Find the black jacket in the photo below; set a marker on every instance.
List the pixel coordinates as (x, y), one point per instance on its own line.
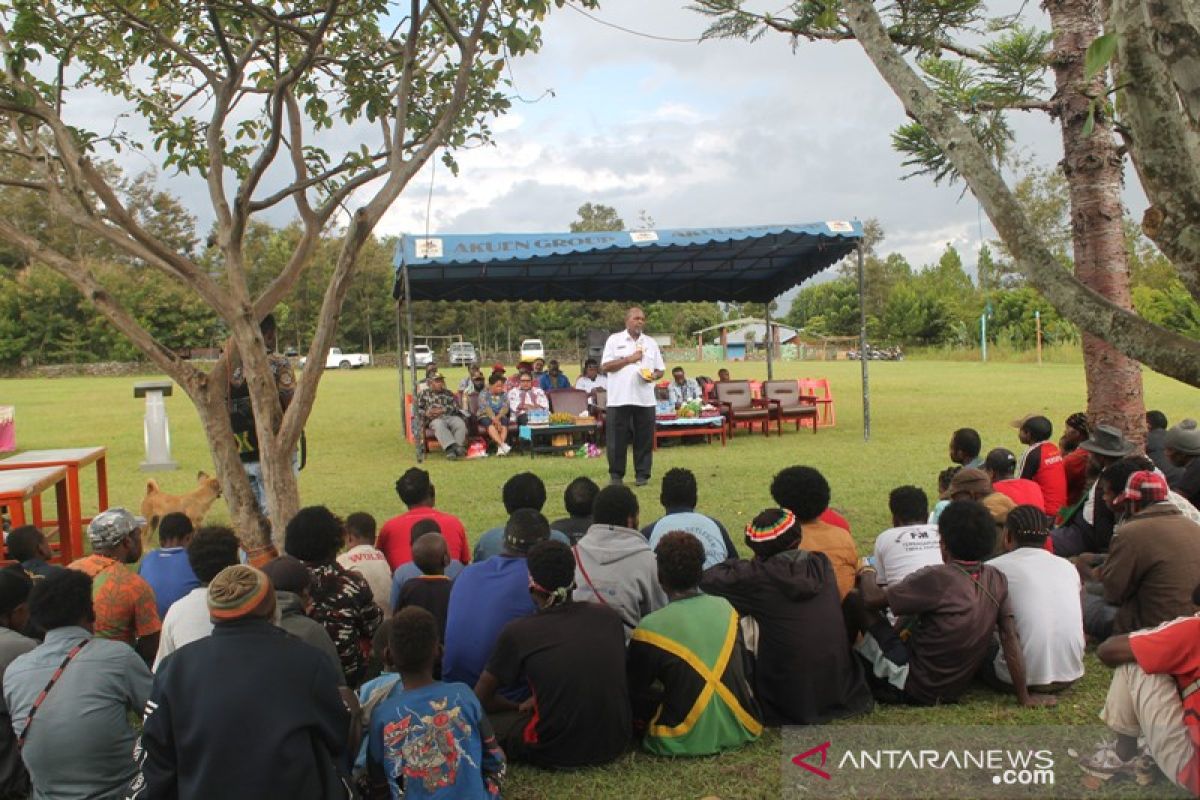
(249, 712)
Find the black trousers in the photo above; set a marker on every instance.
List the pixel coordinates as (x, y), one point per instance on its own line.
(624, 424)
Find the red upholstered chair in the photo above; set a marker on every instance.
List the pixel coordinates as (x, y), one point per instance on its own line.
(792, 404)
(739, 406)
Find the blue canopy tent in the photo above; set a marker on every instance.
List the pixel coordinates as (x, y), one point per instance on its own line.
(737, 264)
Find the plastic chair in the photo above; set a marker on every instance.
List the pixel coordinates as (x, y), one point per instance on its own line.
(820, 388)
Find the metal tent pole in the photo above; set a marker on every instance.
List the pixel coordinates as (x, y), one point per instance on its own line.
(409, 320)
(770, 345)
(400, 369)
(862, 345)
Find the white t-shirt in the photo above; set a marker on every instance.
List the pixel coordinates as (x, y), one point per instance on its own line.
(588, 384)
(1044, 592)
(372, 565)
(902, 551)
(626, 387)
(186, 621)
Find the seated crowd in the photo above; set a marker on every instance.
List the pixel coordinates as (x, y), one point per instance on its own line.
(406, 664)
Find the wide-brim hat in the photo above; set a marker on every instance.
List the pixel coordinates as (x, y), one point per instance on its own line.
(1184, 438)
(968, 479)
(1107, 441)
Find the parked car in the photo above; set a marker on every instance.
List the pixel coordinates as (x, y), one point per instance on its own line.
(419, 356)
(531, 349)
(336, 359)
(462, 353)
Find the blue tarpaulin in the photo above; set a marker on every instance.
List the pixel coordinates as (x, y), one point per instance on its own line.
(738, 264)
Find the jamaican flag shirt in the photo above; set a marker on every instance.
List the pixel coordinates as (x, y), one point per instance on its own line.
(693, 649)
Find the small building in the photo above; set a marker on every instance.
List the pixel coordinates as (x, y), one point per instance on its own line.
(742, 337)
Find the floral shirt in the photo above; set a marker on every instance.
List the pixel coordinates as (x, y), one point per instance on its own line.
(122, 600)
(342, 602)
(431, 398)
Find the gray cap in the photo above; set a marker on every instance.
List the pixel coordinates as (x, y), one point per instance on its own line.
(1184, 438)
(111, 527)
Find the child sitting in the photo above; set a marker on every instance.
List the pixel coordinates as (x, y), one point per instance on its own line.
(432, 740)
(431, 589)
(408, 570)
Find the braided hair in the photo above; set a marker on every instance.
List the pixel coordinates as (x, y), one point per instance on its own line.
(1028, 526)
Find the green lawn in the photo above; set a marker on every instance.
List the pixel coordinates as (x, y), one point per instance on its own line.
(356, 453)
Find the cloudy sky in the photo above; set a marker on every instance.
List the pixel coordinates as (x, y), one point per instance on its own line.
(713, 133)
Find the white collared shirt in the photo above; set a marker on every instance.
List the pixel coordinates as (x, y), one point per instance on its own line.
(626, 387)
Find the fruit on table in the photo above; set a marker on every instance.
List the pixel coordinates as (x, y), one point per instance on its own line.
(562, 418)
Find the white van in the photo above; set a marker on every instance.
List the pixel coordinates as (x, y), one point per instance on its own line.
(532, 349)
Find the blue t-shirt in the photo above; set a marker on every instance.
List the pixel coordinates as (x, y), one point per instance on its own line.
(549, 384)
(432, 740)
(169, 574)
(486, 597)
(408, 570)
(702, 527)
(491, 543)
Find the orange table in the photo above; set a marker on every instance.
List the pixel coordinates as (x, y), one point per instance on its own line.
(20, 485)
(73, 459)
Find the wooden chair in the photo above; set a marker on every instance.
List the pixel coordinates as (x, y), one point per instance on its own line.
(820, 388)
(792, 404)
(739, 406)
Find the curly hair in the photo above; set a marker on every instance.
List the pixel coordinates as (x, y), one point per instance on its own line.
(801, 490)
(413, 639)
(968, 530)
(414, 487)
(551, 565)
(678, 489)
(23, 542)
(615, 505)
(908, 504)
(523, 490)
(61, 599)
(680, 561)
(1028, 525)
(361, 525)
(174, 527)
(212, 549)
(579, 496)
(966, 441)
(313, 535)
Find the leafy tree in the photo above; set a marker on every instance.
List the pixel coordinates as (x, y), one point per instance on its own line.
(917, 314)
(597, 217)
(826, 309)
(257, 101)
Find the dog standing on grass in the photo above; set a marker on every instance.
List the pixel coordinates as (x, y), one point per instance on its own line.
(195, 504)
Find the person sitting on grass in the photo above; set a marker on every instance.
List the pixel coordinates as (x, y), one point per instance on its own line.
(341, 599)
(686, 663)
(430, 590)
(578, 498)
(965, 446)
(420, 496)
(1088, 528)
(1151, 567)
(911, 542)
(492, 412)
(361, 556)
(486, 596)
(572, 657)
(1041, 462)
(944, 479)
(408, 570)
(167, 569)
(210, 550)
(974, 484)
(292, 582)
(523, 490)
(276, 726)
(15, 586)
(384, 686)
(679, 498)
(1045, 592)
(1152, 697)
(804, 671)
(1156, 446)
(1076, 430)
(1000, 466)
(123, 601)
(431, 739)
(949, 613)
(615, 565)
(1181, 444)
(805, 492)
(79, 743)
(29, 547)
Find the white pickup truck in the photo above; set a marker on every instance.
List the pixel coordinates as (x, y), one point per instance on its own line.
(336, 359)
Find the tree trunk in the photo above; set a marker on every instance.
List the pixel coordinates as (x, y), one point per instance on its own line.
(1093, 169)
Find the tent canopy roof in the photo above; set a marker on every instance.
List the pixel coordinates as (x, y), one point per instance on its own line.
(743, 264)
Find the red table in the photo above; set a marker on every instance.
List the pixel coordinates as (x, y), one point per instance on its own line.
(20, 485)
(73, 459)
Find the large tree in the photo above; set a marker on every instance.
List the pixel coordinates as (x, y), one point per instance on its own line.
(328, 106)
(1156, 47)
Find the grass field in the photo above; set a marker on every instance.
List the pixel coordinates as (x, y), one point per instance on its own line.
(356, 453)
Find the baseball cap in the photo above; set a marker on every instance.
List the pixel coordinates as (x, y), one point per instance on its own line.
(113, 526)
(497, 367)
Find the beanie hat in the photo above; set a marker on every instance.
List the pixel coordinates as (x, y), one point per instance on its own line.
(770, 525)
(237, 592)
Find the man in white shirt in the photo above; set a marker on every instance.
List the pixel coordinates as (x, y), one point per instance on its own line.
(910, 543)
(632, 362)
(211, 550)
(362, 557)
(1045, 593)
